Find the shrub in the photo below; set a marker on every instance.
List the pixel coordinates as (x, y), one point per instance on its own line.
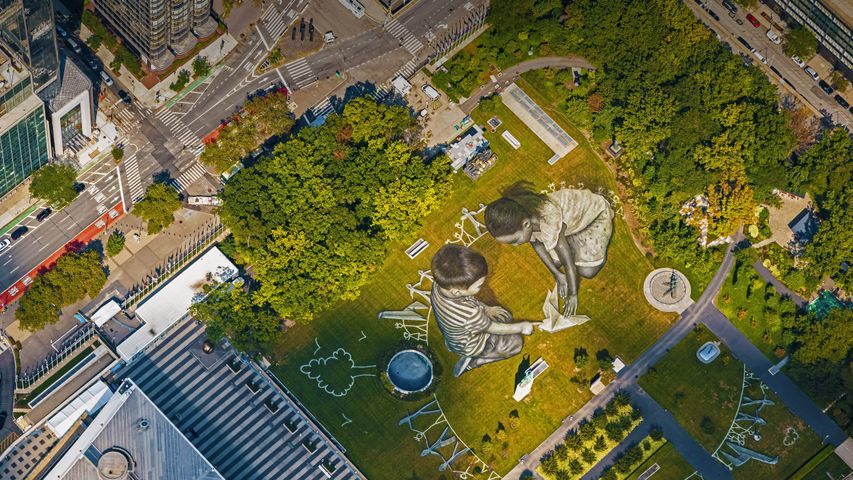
(575, 466)
(180, 82)
(587, 432)
(588, 456)
(707, 425)
(573, 441)
(115, 244)
(600, 443)
(656, 433)
(561, 452)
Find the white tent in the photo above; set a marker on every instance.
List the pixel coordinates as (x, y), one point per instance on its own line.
(90, 401)
(106, 312)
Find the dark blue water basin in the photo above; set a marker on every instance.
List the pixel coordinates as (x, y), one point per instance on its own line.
(410, 371)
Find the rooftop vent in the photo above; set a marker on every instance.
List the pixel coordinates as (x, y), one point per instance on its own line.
(143, 424)
(113, 465)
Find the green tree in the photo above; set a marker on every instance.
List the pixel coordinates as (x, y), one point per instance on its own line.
(201, 67)
(376, 123)
(609, 474)
(74, 277)
(94, 41)
(839, 81)
(181, 81)
(117, 153)
(573, 441)
(115, 243)
(588, 456)
(600, 444)
(230, 311)
(158, 206)
(54, 183)
(323, 225)
(800, 42)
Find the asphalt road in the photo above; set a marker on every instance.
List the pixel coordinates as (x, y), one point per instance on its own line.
(44, 238)
(800, 81)
(419, 21)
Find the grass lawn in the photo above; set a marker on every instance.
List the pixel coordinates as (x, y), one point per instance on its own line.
(692, 390)
(831, 467)
(754, 307)
(476, 403)
(672, 465)
(549, 98)
(532, 149)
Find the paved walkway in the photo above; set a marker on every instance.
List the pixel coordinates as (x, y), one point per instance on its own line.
(510, 74)
(779, 286)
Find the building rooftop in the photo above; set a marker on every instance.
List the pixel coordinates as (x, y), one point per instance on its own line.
(11, 72)
(170, 303)
(247, 433)
(72, 82)
(841, 9)
(471, 143)
(130, 434)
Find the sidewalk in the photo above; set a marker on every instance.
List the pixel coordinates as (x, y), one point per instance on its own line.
(16, 205)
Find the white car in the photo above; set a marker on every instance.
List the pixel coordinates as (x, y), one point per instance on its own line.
(813, 74)
(773, 36)
(4, 243)
(798, 61)
(759, 56)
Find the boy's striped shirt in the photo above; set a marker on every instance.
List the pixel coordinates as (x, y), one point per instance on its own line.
(463, 322)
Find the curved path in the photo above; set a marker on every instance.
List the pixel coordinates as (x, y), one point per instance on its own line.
(510, 74)
(706, 312)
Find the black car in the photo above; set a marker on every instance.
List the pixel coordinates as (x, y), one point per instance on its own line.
(79, 187)
(125, 97)
(744, 43)
(19, 232)
(714, 15)
(44, 214)
(825, 87)
(841, 101)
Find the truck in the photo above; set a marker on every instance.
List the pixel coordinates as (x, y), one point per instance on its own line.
(431, 92)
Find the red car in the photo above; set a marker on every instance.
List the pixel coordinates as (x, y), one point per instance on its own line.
(754, 21)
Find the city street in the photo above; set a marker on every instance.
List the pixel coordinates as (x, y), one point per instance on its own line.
(787, 74)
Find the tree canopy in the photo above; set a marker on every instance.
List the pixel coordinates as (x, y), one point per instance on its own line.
(800, 42)
(158, 206)
(262, 117)
(229, 311)
(74, 277)
(54, 183)
(334, 197)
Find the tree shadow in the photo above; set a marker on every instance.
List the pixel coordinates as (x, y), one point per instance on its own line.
(522, 369)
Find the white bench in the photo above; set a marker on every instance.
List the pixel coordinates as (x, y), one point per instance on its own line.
(416, 248)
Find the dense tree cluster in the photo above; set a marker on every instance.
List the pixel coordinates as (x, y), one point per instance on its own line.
(75, 276)
(158, 207)
(229, 311)
(262, 117)
(333, 197)
(55, 184)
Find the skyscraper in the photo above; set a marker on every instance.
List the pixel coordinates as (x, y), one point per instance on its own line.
(159, 30)
(23, 129)
(27, 27)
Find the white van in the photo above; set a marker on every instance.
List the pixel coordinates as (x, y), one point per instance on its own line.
(106, 78)
(431, 92)
(74, 45)
(773, 36)
(759, 56)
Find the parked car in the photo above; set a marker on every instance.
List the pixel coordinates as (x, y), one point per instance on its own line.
(106, 78)
(773, 36)
(93, 64)
(79, 187)
(813, 74)
(73, 45)
(730, 7)
(744, 43)
(19, 232)
(61, 31)
(44, 214)
(4, 243)
(713, 15)
(825, 87)
(759, 56)
(125, 97)
(798, 61)
(841, 101)
(754, 21)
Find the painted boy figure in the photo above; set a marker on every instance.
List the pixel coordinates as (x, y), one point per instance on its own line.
(478, 332)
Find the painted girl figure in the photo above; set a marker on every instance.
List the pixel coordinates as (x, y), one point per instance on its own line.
(569, 229)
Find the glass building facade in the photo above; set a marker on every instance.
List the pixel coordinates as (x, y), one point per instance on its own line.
(23, 149)
(827, 25)
(28, 28)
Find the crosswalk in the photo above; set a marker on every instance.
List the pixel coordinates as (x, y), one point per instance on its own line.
(274, 22)
(126, 119)
(400, 32)
(408, 69)
(301, 73)
(134, 182)
(189, 139)
(189, 176)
